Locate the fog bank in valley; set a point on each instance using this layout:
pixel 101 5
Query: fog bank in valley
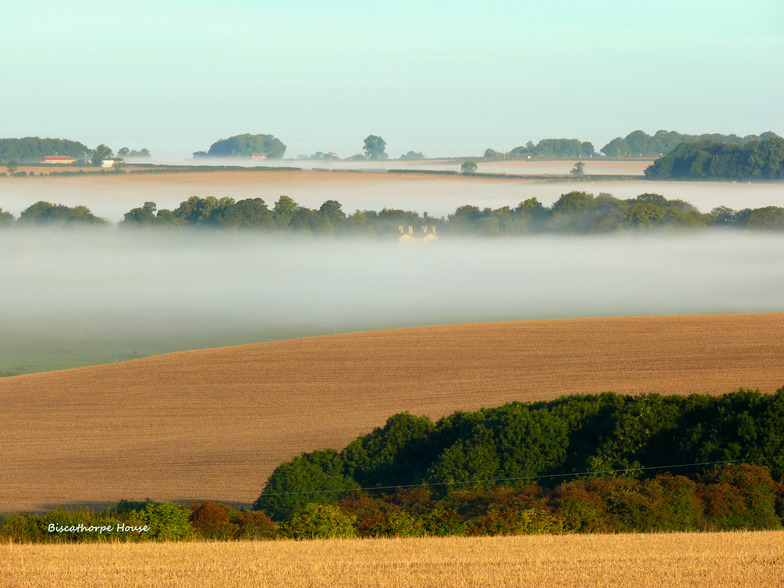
pixel 110 197
pixel 202 289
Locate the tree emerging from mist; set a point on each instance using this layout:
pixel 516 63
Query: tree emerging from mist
pixel 756 160
pixel 246 145
pixel 574 213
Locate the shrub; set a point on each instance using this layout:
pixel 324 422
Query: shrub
pixel 167 522
pixel 255 525
pixel 468 167
pixel 22 528
pixel 211 521
pixel 740 497
pixel 444 522
pixel 320 521
pixel 681 509
pixel 581 507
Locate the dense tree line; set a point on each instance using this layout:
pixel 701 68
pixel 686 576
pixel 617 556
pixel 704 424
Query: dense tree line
pixel 143 153
pixel 573 213
pixel 755 160
pixel 727 498
pixel 641 144
pixel 44 213
pixel 549 442
pixel 546 149
pixel 635 144
pixel 285 215
pixel 33 149
pixel 245 145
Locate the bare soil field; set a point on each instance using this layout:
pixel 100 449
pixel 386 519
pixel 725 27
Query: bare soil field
pixel 213 424
pixel 708 559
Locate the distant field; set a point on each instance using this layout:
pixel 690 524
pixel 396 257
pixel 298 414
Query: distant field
pixel 111 195
pixel 25 354
pixel 687 559
pixel 213 424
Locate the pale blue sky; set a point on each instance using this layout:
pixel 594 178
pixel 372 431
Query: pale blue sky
pixel 446 79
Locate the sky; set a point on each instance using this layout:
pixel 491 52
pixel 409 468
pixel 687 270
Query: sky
pixel 445 79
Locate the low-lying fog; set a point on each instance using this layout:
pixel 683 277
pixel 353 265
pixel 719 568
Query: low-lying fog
pixel 110 284
pixel 110 197
pixel 500 166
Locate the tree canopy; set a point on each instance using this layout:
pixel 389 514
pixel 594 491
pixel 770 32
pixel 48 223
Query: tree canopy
pixel 374 147
pixel 756 160
pixel 244 146
pixel 546 149
pixel 517 443
pixel 33 149
pixel 45 213
pixel 640 144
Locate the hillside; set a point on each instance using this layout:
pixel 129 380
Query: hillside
pixel 214 423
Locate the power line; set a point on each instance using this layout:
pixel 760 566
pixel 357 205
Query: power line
pixel 519 479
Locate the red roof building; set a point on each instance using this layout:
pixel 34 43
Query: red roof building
pixel 58 159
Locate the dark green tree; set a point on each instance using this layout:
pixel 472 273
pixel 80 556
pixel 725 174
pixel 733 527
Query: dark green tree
pixel 316 477
pixel 246 145
pixel 412 155
pixel 45 213
pixel 6 219
pixel 332 210
pixel 143 216
pixel 374 147
pixel 99 154
pixel 468 167
pixel 285 208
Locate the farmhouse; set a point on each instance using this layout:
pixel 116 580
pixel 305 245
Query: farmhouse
pixel 408 237
pixel 57 160
pixel 259 156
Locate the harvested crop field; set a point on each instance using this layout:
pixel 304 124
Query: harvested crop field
pixel 213 424
pixel 110 196
pixel 707 559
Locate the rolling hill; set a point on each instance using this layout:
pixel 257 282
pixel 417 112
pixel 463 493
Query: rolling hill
pixel 212 424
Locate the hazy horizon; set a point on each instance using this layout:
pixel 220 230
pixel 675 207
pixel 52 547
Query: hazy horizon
pixel 176 76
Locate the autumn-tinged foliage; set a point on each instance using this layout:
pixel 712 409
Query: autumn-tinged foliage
pixel 729 498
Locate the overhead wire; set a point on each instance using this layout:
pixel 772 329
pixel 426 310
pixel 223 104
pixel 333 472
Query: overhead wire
pixel 522 478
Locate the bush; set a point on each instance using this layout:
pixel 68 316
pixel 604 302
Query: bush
pixel 256 525
pixel 167 522
pixel 582 508
pixel 739 497
pixel 681 509
pixel 468 167
pixel 22 528
pixel 514 521
pixel 320 521
pixel 211 521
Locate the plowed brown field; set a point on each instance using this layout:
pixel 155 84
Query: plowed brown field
pixel 214 423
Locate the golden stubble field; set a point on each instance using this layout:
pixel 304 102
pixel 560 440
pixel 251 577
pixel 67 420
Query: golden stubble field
pixel 213 424
pixel 687 559
pixel 110 195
